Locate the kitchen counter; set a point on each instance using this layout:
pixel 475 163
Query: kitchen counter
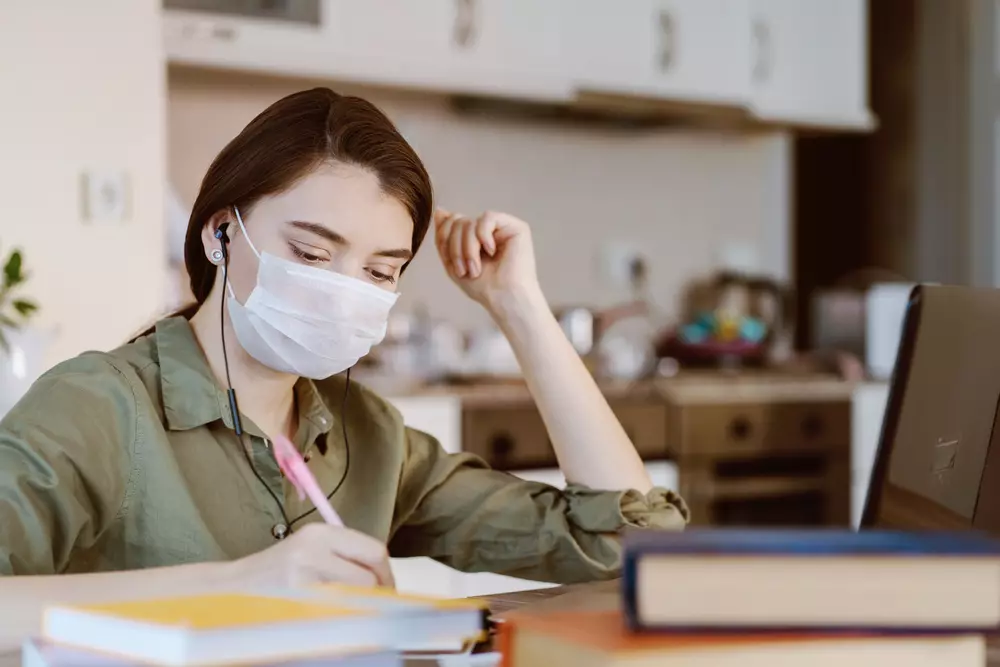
pixel 500 393
pixel 756 389
pixel 689 387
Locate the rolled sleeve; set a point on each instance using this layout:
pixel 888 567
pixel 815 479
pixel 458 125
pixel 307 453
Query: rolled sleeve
pixel 65 452
pixel 455 509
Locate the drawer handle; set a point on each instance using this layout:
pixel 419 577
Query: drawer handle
pixel 224 33
pixel 762 51
pixel 465 23
pixel 501 446
pixel 740 428
pixel 812 427
pixel 668 39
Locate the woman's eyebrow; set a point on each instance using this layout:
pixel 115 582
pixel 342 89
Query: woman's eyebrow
pixel 399 253
pixel 319 230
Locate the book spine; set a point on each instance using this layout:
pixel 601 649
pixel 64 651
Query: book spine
pixel 505 642
pixel 811 630
pixel 630 585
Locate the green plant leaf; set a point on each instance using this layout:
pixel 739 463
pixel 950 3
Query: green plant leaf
pixel 24 307
pixel 12 270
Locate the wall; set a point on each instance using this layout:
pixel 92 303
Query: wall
pixel 84 88
pixel 677 195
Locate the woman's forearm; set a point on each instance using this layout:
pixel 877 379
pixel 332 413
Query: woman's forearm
pixel 23 599
pixel 589 441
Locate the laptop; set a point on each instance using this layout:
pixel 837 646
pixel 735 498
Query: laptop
pixel 937 464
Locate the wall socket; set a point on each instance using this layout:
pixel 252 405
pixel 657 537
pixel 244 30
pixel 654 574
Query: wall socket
pixel 105 196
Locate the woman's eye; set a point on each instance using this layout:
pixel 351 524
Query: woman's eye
pixel 305 256
pixel 380 277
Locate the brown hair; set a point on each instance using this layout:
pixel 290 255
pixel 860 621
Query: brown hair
pixel 282 145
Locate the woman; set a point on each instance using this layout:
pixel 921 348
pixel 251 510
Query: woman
pixel 138 458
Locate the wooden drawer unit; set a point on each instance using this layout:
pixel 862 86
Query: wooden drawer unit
pixel 762 452
pixel 754 428
pixel 513 437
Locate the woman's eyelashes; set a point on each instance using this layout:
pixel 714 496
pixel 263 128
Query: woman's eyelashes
pixel 381 277
pixel 317 257
pixel 307 256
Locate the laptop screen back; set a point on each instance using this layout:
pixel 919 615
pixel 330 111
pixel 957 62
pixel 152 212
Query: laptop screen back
pixel 936 466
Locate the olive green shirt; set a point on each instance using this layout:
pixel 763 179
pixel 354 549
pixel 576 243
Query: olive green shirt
pixel 128 459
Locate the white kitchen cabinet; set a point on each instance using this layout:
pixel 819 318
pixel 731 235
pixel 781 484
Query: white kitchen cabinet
pixel 791 62
pixel 505 48
pixel 868 404
pixel 201 39
pixel 810 62
pixel 679 50
pixel 439 416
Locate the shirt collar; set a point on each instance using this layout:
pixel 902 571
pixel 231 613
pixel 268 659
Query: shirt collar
pixel 193 398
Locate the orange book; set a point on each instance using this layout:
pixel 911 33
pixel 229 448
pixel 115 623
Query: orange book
pixel 601 639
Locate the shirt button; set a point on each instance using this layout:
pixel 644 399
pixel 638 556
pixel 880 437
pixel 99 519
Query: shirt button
pixel 279 531
pixel 322 420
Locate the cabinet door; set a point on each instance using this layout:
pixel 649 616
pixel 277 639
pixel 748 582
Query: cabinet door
pixel 497 47
pixel 228 41
pixel 680 50
pixel 810 62
pixel 438 416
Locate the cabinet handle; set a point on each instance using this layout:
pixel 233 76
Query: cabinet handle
pixel 501 447
pixel 224 33
pixel 812 427
pixel 465 23
pixel 667 28
pixel 740 428
pixel 763 51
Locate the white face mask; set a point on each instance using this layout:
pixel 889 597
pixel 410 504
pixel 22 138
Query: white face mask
pixel 308 321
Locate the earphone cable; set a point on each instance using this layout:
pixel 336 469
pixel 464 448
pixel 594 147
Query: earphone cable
pixel 237 427
pixel 232 393
pixel 347 451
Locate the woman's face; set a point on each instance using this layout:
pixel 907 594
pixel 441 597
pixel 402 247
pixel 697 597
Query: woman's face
pixel 336 219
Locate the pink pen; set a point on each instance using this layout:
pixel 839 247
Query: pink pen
pixel 298 473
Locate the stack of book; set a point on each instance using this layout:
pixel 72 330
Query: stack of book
pixel 321 625
pixel 715 598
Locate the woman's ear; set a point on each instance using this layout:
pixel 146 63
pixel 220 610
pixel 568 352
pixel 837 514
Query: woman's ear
pixel 213 246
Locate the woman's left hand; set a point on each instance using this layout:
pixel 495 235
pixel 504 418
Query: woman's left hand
pixel 490 258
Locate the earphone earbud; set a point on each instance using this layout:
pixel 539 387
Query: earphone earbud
pixel 222 253
pixel 220 234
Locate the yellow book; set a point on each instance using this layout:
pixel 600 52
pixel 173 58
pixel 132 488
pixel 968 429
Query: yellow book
pixel 264 626
pixel 429 624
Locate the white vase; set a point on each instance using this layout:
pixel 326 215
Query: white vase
pixel 22 363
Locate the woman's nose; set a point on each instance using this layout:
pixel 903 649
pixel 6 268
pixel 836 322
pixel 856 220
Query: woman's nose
pixel 352 267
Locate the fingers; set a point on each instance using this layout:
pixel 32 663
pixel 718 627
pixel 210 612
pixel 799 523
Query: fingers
pixel 471 248
pixel 502 226
pixel 461 242
pixel 324 568
pixel 444 222
pixel 456 254
pixel 358 548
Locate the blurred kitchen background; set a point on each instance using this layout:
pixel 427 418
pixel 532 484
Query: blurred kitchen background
pixel 730 201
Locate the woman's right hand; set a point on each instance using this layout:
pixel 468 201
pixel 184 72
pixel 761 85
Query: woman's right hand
pixel 317 553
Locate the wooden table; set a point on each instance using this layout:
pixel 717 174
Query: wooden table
pixel 601 595
pixel 605 595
